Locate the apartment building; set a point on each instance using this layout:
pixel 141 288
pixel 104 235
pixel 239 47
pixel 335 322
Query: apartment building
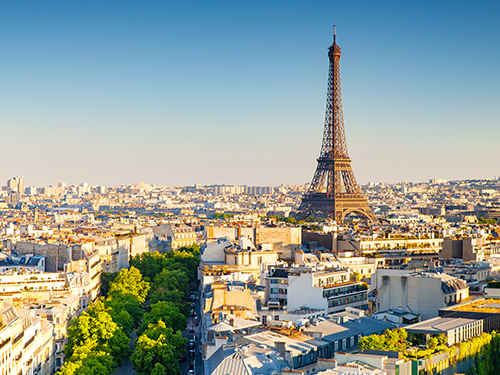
pixel 328 290
pixel 409 290
pixel 27 342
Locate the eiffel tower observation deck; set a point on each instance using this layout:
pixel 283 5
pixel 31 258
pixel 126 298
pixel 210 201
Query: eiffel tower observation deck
pixel 334 192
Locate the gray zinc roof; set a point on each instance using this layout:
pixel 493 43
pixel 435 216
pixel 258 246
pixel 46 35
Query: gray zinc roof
pixel 249 359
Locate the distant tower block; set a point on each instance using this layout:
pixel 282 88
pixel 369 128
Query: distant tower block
pixel 334 191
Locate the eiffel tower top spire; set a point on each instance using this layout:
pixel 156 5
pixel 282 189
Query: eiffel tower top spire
pixel 334 141
pixel 334 191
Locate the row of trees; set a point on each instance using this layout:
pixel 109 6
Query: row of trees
pixel 98 340
pixel 487 360
pixel 160 344
pixel 158 284
pixel 482 352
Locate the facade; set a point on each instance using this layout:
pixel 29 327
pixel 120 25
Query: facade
pixel 402 289
pixel 488 310
pixel 27 342
pixel 241 257
pixel 456 330
pixel 286 240
pixel 179 236
pixel 327 290
pixel 467 249
pixel 364 266
pixel 370 245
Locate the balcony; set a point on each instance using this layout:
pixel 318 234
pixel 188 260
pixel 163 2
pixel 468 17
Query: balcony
pixel 18 338
pixel 28 343
pixel 4 342
pixel 344 291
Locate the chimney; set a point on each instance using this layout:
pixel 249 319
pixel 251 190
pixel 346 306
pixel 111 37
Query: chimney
pixel 281 348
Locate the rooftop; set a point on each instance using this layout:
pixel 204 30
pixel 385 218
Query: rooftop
pixel 438 325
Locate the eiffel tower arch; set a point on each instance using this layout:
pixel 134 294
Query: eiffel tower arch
pixel 334 191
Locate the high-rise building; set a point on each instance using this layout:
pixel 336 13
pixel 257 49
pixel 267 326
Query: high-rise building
pixel 16 185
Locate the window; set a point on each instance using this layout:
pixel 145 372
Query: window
pixel 352 341
pixel 344 343
pixel 274 290
pixel 326 352
pixel 312 356
pixel 274 281
pixel 336 346
pixel 299 358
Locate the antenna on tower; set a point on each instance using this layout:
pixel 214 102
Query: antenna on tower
pixel 334 34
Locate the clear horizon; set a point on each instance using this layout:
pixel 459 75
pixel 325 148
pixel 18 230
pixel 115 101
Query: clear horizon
pixel 229 184
pixel 176 93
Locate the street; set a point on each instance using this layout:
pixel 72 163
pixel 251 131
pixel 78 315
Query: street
pixel 193 330
pixel 126 367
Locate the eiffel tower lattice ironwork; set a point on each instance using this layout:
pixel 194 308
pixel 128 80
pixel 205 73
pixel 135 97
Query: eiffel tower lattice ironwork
pixel 334 191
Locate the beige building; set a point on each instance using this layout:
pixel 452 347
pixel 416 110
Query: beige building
pixel 239 301
pixel 364 266
pixel 285 240
pixel 369 246
pixel 179 236
pixel 226 256
pixel 27 342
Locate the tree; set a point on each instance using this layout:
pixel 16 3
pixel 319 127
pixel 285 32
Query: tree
pixel 166 311
pixel 173 280
pixel 391 340
pixel 161 293
pixel 92 326
pixel 96 330
pixel 129 281
pixel 355 276
pixel 157 351
pixel 125 311
pixel 106 279
pixel 86 360
pixel 149 264
pixel 186 259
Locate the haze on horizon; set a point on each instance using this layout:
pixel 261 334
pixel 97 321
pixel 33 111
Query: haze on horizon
pixel 176 93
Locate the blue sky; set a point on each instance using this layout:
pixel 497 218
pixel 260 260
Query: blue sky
pixel 177 92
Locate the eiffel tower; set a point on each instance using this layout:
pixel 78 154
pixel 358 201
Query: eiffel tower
pixel 334 191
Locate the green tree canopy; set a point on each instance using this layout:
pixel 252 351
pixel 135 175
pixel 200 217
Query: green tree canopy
pixel 390 340
pixel 106 279
pixel 173 280
pixel 125 311
pixel 150 264
pixel 95 329
pixel 87 360
pixel 157 351
pixel 129 281
pixel 166 311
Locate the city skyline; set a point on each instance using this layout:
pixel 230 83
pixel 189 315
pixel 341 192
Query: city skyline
pixel 177 94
